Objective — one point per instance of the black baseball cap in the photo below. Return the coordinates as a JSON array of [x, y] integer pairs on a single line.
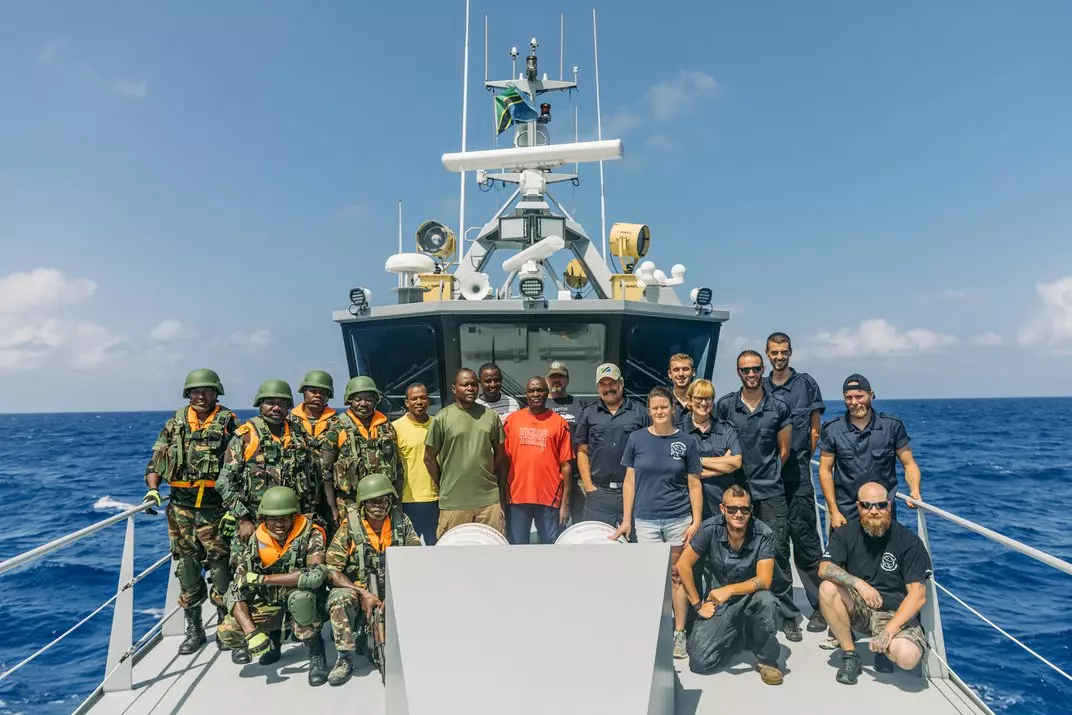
[[856, 381]]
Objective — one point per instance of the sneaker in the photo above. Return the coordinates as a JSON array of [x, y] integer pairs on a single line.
[[792, 630], [850, 668], [771, 674], [817, 624], [882, 663], [829, 643], [679, 645]]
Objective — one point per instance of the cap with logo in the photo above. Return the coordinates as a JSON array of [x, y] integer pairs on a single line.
[[608, 369], [557, 368], [856, 382]]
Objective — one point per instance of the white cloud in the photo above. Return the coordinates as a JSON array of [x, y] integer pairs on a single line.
[[877, 338], [254, 339], [988, 340], [130, 87], [669, 98], [54, 54], [41, 289], [170, 329], [94, 345], [1051, 323]]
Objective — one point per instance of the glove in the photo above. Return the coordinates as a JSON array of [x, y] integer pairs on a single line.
[[258, 643], [228, 525], [253, 578], [153, 496]]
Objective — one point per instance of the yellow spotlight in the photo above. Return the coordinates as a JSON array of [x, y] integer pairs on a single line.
[[575, 277], [435, 239], [629, 242]]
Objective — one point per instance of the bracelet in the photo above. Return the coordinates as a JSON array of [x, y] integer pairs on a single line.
[[697, 606]]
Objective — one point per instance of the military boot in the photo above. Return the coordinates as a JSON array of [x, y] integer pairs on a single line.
[[241, 656], [273, 654], [195, 632], [318, 666], [344, 668]]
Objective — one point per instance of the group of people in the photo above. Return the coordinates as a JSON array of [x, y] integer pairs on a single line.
[[290, 512]]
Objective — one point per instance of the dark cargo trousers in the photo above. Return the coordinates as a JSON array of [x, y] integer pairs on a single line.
[[746, 622], [775, 513], [807, 551]]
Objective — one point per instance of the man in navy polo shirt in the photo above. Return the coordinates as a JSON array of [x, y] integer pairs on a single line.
[[765, 429], [600, 435], [805, 401], [859, 447], [681, 371]]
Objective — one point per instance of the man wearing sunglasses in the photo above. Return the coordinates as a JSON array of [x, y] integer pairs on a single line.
[[738, 555], [859, 447], [764, 426], [874, 573]]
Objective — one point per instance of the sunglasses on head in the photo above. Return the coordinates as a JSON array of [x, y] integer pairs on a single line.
[[869, 505], [746, 370], [746, 510]]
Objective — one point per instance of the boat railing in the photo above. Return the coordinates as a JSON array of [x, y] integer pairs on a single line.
[[935, 664], [123, 650]]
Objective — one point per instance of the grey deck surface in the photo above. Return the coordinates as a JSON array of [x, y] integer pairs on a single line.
[[208, 682]]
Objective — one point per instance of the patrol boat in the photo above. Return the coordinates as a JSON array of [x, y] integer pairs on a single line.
[[571, 627]]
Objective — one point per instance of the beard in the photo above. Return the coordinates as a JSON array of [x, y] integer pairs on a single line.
[[875, 526]]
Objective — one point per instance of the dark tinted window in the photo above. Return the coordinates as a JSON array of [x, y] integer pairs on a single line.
[[648, 345], [396, 356]]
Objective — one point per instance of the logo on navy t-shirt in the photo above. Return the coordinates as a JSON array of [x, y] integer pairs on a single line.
[[678, 450]]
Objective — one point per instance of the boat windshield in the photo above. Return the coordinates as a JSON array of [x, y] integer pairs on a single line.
[[396, 355], [647, 347], [522, 350]]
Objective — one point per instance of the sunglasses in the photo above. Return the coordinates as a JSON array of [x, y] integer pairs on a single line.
[[746, 510], [869, 505], [745, 370]]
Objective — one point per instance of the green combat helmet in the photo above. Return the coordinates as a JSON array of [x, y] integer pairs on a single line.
[[278, 501], [374, 485], [202, 377], [318, 378], [361, 383], [273, 388]]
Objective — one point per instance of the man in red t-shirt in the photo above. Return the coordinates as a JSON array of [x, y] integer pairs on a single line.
[[539, 448]]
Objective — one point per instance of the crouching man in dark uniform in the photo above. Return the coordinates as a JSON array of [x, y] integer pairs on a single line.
[[279, 582], [874, 573], [739, 611]]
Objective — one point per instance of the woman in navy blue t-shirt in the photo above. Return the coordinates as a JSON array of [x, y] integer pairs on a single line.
[[662, 493]]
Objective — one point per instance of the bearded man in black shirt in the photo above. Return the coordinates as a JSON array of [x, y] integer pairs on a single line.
[[873, 582]]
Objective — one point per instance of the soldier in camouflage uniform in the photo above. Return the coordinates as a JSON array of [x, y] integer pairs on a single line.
[[363, 443], [355, 562], [267, 451], [187, 456], [279, 582], [316, 418]]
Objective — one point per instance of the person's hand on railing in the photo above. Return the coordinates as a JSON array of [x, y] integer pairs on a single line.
[[153, 495], [915, 495]]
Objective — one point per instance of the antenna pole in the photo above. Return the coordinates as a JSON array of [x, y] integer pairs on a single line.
[[599, 134], [465, 117], [485, 47], [576, 119], [400, 237], [561, 45]]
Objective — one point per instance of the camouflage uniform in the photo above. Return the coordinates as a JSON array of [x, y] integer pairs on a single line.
[[352, 554], [355, 452], [317, 434], [268, 604], [188, 455], [256, 460]]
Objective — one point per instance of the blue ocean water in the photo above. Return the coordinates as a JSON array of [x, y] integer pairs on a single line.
[[1003, 463]]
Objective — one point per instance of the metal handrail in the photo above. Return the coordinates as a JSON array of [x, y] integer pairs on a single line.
[[33, 554]]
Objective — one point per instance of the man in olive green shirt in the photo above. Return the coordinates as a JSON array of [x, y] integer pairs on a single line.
[[465, 456]]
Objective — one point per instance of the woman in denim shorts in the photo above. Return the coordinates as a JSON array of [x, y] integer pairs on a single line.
[[662, 492]]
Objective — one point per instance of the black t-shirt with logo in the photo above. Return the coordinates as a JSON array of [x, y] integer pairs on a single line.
[[887, 563]]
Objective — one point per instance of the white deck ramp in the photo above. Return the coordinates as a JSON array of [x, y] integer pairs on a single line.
[[165, 683]]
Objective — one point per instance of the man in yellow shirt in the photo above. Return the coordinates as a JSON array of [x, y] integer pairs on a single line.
[[420, 496]]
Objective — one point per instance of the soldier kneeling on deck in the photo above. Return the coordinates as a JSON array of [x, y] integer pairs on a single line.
[[279, 579], [740, 610], [355, 562]]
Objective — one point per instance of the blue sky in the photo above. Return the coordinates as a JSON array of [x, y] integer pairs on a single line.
[[195, 184]]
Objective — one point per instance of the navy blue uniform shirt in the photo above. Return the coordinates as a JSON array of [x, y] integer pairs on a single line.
[[758, 432], [661, 468], [726, 566], [862, 456], [606, 435], [802, 394], [719, 437]]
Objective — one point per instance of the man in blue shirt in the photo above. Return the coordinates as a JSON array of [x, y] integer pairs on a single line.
[[801, 393], [859, 447], [600, 435], [681, 372], [765, 430]]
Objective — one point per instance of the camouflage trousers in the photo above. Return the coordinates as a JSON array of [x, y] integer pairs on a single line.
[[347, 618], [267, 618], [195, 541]]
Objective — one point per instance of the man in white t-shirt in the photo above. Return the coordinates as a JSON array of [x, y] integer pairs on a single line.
[[491, 395]]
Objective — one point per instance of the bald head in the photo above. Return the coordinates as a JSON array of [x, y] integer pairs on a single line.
[[872, 491]]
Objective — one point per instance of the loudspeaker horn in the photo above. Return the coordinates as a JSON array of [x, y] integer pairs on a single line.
[[476, 286]]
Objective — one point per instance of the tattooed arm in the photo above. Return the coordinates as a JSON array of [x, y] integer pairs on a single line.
[[830, 571]]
